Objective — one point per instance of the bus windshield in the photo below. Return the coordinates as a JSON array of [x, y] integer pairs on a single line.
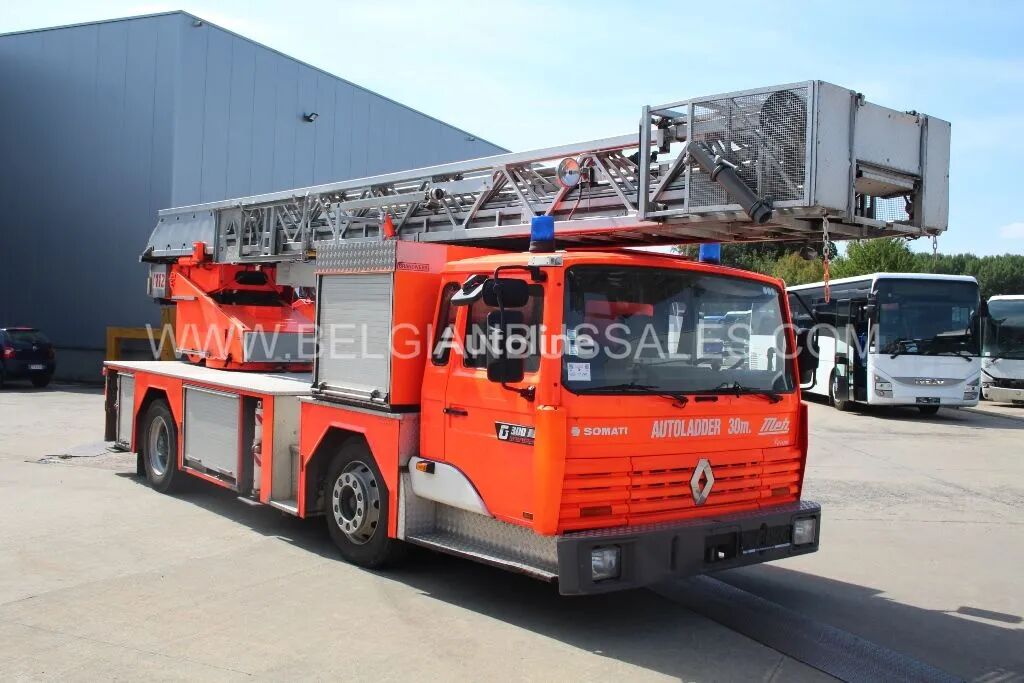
[[659, 330], [927, 317], [1004, 329]]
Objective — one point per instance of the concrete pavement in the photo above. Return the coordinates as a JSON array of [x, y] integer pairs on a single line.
[[102, 577]]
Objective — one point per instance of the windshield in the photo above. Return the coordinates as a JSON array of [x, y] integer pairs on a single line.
[[927, 317], [651, 330], [1004, 329]]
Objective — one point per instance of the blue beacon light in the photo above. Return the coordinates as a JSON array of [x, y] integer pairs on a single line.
[[542, 234], [710, 252]]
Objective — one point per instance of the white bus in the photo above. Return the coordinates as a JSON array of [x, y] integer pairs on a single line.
[[1002, 350], [893, 339]]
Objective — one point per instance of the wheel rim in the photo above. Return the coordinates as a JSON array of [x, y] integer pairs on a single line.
[[159, 446], [355, 502]]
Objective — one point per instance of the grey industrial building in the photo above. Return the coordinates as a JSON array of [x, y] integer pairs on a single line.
[[103, 124]]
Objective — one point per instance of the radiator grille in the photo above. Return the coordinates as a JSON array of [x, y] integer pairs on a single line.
[[601, 492]]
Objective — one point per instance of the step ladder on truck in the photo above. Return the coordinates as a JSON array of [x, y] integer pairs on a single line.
[[333, 365]]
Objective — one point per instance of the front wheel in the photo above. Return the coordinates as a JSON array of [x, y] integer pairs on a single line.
[[840, 404], [357, 509], [928, 410]]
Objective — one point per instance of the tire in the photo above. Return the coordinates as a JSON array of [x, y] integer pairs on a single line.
[[41, 381], [842, 405], [158, 447], [928, 410], [356, 508]]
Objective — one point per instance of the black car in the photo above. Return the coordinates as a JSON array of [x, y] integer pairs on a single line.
[[26, 353]]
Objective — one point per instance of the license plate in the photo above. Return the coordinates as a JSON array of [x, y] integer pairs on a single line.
[[927, 399], [38, 366]]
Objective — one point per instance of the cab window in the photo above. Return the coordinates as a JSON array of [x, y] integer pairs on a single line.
[[477, 347], [444, 330]]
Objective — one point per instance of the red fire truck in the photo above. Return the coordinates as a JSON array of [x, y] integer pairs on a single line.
[[471, 358]]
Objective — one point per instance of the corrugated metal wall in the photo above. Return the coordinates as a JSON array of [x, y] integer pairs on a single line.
[[239, 127], [103, 124]]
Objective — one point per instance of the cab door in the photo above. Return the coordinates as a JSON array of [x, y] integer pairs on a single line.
[[433, 420], [846, 349], [488, 427]]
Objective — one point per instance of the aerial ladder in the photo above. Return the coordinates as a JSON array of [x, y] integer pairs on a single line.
[[786, 163], [525, 464]]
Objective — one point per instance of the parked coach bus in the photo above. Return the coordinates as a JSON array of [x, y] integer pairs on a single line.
[[894, 339], [1002, 351]]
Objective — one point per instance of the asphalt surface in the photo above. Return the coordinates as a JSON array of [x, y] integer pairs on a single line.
[[100, 577]]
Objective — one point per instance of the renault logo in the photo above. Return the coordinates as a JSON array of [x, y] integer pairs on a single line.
[[702, 473]]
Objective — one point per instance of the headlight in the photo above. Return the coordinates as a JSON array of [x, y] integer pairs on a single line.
[[805, 530], [604, 563], [882, 385]]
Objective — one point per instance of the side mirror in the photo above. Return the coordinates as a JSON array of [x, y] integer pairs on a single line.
[[871, 312], [501, 365], [471, 290], [807, 355], [514, 293]]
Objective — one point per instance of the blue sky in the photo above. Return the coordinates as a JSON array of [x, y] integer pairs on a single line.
[[535, 74]]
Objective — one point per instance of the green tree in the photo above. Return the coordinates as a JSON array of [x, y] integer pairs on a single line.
[[1002, 274], [795, 270], [883, 255]]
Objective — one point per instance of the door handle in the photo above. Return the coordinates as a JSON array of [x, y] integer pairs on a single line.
[[458, 412]]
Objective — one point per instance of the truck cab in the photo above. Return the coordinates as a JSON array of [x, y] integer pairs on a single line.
[[578, 399]]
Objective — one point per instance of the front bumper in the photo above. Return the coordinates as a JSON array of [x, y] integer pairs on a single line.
[[943, 401], [657, 552], [1003, 394]]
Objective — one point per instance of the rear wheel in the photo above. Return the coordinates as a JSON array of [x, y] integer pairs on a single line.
[[159, 448], [40, 381], [928, 410], [356, 508], [840, 404]]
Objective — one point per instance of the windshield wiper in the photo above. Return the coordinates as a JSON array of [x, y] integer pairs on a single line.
[[900, 346], [739, 390], [680, 399], [623, 386]]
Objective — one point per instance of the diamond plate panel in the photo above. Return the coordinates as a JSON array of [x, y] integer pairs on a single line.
[[357, 257], [514, 542], [480, 537], [416, 516]]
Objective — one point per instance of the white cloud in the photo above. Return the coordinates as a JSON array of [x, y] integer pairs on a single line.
[[1012, 231]]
